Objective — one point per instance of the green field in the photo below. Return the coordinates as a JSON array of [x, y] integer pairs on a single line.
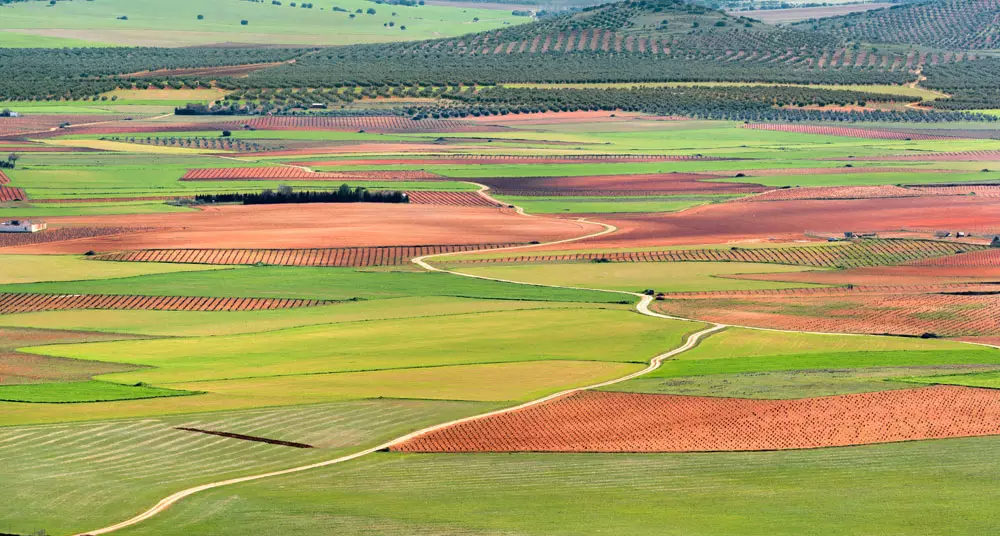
[[936, 487], [636, 277], [35, 268], [99, 473], [340, 284], [92, 391], [153, 23]]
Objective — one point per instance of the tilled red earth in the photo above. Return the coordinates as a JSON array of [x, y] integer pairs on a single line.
[[290, 173], [443, 160], [593, 421], [454, 199], [8, 194]]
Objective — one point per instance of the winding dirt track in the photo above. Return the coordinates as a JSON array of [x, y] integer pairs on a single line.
[[642, 307]]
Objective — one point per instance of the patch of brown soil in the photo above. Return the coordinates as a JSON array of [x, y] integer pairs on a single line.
[[592, 421], [315, 226]]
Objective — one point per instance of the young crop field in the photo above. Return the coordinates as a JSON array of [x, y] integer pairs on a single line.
[[29, 303]]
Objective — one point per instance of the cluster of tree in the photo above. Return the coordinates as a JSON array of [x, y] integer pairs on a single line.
[[285, 195], [972, 85], [82, 72], [730, 103], [11, 161]]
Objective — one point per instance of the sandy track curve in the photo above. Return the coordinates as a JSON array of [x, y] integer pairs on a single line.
[[642, 307]]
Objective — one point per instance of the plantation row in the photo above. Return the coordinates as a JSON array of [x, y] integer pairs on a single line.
[[949, 289], [14, 303], [218, 144], [949, 24], [345, 257], [972, 85], [595, 421], [843, 255], [989, 258], [63, 233], [379, 123], [8, 194], [84, 72], [453, 199], [730, 103]]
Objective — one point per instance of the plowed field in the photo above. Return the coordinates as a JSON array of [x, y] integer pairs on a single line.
[[374, 256], [4, 179], [8, 194], [592, 421], [319, 225], [960, 311], [832, 192], [986, 258], [962, 156], [618, 185], [291, 173], [29, 303], [977, 190], [455, 199], [742, 222]]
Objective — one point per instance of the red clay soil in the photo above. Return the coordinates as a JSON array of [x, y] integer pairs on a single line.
[[354, 257], [8, 194], [14, 303], [385, 124], [963, 156], [989, 258], [977, 190], [315, 226], [555, 118], [788, 221], [4, 179], [945, 312], [832, 192], [593, 421], [62, 234], [885, 275], [603, 185]]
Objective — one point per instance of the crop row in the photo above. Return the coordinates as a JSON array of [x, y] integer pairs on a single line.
[[944, 288], [958, 156], [874, 252], [355, 256], [467, 159], [4, 179], [457, 199], [8, 194], [63, 233], [832, 192], [594, 421], [218, 144], [293, 173], [14, 303], [868, 133], [978, 190], [974, 259]]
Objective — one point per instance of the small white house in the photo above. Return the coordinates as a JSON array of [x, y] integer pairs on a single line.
[[22, 226]]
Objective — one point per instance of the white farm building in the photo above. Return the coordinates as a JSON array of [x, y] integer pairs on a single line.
[[22, 226]]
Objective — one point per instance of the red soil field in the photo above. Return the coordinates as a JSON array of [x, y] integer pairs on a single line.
[[944, 311], [455, 199], [549, 118], [443, 160], [831, 192], [292, 173], [845, 254], [755, 222], [989, 258], [621, 185], [27, 303], [886, 275], [978, 190], [371, 123], [781, 172], [868, 133], [355, 257], [4, 179], [32, 123], [8, 194], [62, 234], [593, 421], [319, 225]]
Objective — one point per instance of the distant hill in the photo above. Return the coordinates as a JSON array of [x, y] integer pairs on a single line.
[[945, 24]]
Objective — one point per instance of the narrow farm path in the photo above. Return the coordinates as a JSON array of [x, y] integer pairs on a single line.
[[642, 307]]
